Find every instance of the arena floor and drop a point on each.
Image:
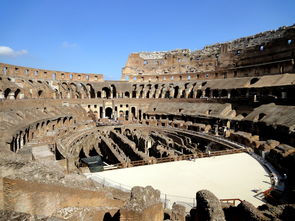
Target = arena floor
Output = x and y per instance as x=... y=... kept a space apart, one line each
x=229 y=176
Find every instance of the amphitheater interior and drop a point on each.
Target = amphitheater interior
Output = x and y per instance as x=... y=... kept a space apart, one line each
x=226 y=98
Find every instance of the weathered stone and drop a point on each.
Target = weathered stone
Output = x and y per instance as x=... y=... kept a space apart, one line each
x=208 y=207
x=178 y=212
x=247 y=212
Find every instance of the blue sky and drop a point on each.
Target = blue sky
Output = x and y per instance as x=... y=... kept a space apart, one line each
x=91 y=36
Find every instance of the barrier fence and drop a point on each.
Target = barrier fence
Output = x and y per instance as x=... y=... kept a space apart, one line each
x=175 y=158
x=167 y=199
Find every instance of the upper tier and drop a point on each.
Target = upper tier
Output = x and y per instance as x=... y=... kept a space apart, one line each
x=35 y=73
x=270 y=52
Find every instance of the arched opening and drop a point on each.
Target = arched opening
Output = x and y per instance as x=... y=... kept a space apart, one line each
x=98 y=94
x=126 y=115
x=215 y=93
x=58 y=155
x=91 y=91
x=234 y=93
x=106 y=92
x=254 y=80
x=199 y=93
x=176 y=91
x=16 y=93
x=121 y=114
x=261 y=115
x=133 y=112
x=133 y=94
x=40 y=93
x=82 y=154
x=6 y=92
x=93 y=152
x=207 y=92
x=139 y=114
x=109 y=112
x=127 y=94
x=224 y=93
x=114 y=91
x=167 y=94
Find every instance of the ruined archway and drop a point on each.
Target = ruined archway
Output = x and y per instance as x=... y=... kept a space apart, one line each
x=106 y=92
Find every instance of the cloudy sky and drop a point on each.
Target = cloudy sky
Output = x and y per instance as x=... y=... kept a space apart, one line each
x=96 y=36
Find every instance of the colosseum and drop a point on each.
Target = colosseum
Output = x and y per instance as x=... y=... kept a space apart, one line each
x=74 y=146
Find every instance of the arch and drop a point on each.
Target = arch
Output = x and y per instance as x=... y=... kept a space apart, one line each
x=127 y=94
x=254 y=80
x=207 y=92
x=261 y=115
x=199 y=93
x=114 y=91
x=126 y=115
x=215 y=93
x=6 y=92
x=16 y=93
x=234 y=93
x=176 y=91
x=224 y=93
x=109 y=112
x=98 y=94
x=121 y=113
x=133 y=112
x=167 y=94
x=106 y=92
x=93 y=152
x=133 y=94
x=40 y=93
x=90 y=90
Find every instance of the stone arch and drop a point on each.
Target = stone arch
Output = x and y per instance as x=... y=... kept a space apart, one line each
x=17 y=93
x=176 y=91
x=6 y=92
x=127 y=94
x=114 y=91
x=40 y=93
x=207 y=92
x=199 y=93
x=106 y=92
x=133 y=112
x=215 y=93
x=224 y=93
x=90 y=90
x=109 y=112
x=98 y=95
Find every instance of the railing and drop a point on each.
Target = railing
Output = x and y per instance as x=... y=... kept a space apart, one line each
x=176 y=158
x=231 y=202
x=267 y=193
x=166 y=199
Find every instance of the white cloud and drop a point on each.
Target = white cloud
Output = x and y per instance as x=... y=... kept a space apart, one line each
x=66 y=44
x=7 y=51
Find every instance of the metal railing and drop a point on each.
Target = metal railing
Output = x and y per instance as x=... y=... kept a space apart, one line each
x=174 y=158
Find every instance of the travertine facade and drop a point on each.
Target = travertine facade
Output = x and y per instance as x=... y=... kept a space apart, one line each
x=170 y=108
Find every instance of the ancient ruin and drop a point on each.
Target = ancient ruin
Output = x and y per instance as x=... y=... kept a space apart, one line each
x=228 y=98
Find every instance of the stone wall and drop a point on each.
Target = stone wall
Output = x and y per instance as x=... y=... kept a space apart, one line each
x=270 y=52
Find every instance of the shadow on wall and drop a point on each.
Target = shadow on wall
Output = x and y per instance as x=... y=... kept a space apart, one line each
x=109 y=217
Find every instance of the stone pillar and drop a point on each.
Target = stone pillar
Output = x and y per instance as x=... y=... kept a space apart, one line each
x=1 y=95
x=113 y=107
x=103 y=109
x=11 y=96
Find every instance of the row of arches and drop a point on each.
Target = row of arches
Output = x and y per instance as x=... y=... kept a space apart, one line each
x=72 y=90
x=39 y=129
